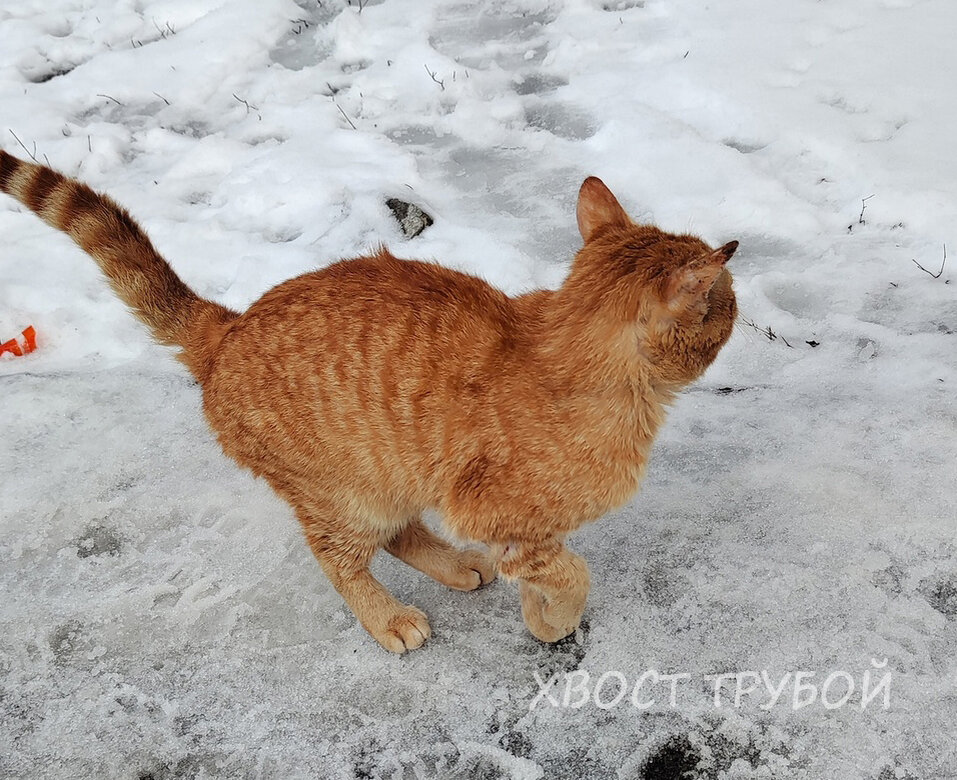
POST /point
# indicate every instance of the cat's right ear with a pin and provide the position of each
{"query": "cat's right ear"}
(689, 284)
(597, 207)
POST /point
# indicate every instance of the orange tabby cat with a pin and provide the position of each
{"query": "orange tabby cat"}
(377, 388)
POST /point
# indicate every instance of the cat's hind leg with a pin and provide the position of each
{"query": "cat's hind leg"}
(422, 549)
(344, 551)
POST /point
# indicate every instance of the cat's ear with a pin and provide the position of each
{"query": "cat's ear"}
(597, 207)
(689, 284)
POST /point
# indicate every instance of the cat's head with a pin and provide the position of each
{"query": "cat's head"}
(671, 292)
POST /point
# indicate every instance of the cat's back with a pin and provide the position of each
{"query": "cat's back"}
(357, 367)
(367, 295)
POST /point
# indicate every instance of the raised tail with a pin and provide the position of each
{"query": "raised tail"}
(138, 274)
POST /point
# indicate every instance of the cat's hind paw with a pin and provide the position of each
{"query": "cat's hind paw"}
(475, 568)
(461, 569)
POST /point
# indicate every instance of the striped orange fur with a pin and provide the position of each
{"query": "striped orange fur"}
(378, 388)
(138, 274)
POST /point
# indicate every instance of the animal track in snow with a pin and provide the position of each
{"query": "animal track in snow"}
(745, 147)
(562, 120)
(539, 83)
(97, 540)
(515, 33)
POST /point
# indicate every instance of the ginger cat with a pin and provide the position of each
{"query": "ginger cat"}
(377, 388)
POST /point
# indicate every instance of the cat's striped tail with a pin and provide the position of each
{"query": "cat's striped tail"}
(136, 271)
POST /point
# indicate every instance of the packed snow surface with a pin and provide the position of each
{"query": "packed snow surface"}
(160, 614)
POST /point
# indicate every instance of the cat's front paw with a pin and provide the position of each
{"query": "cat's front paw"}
(550, 619)
(406, 629)
(564, 612)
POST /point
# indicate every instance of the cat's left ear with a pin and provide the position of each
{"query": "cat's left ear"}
(692, 282)
(597, 207)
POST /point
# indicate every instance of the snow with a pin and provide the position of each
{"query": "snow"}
(161, 616)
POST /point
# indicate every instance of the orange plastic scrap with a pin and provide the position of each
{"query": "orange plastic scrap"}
(29, 340)
(24, 346)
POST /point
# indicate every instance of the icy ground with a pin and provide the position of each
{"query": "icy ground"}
(160, 615)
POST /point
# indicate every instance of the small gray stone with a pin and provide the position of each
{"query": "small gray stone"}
(410, 217)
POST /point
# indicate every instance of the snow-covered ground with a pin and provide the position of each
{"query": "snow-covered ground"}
(160, 614)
